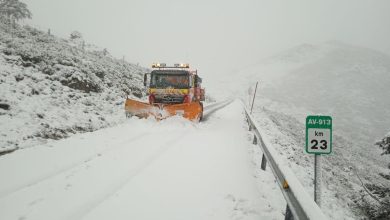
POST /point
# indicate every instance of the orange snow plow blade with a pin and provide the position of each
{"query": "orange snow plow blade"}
(192, 111)
(140, 109)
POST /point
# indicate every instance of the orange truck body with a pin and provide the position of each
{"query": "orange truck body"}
(171, 91)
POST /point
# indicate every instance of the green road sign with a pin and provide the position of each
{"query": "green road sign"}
(318, 134)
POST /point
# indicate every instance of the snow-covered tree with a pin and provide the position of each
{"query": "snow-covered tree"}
(385, 144)
(75, 35)
(14, 10)
(105, 52)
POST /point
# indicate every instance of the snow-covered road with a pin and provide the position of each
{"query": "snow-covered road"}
(142, 169)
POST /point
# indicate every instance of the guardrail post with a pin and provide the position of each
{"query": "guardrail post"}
(263, 162)
(288, 215)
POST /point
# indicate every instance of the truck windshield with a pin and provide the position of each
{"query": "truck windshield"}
(163, 81)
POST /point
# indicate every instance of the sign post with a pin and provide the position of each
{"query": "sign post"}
(317, 179)
(318, 141)
(254, 96)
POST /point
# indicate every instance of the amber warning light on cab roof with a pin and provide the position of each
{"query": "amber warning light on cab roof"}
(176, 65)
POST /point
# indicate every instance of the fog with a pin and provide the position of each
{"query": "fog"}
(214, 36)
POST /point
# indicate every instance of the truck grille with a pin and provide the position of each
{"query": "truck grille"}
(172, 99)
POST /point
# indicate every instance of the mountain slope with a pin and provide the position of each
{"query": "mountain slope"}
(52, 87)
(350, 83)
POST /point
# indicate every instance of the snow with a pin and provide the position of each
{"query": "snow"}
(141, 169)
(55, 88)
(344, 81)
(77, 157)
(280, 168)
(325, 79)
(290, 149)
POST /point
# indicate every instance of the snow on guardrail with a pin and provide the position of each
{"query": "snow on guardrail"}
(298, 200)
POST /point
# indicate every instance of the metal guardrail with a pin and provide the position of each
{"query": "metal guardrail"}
(299, 203)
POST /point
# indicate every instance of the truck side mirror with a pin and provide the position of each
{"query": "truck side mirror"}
(198, 81)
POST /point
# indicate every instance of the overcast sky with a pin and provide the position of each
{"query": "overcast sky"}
(215, 36)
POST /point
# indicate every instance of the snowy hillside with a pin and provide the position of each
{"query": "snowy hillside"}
(347, 82)
(52, 87)
(350, 84)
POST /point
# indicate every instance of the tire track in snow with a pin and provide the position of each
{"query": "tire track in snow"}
(58, 172)
(146, 163)
(210, 109)
(71, 195)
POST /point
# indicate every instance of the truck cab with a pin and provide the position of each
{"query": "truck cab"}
(171, 91)
(173, 85)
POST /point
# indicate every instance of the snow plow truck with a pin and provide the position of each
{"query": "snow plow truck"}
(174, 90)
